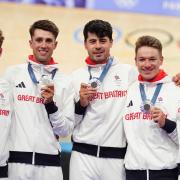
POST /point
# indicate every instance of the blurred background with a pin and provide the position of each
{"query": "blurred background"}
(129, 18)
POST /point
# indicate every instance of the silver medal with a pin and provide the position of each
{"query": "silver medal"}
(94, 83)
(147, 106)
(45, 80)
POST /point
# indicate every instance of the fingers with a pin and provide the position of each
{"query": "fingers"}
(83, 86)
(158, 116)
(47, 92)
(86, 90)
(176, 79)
(48, 88)
(85, 93)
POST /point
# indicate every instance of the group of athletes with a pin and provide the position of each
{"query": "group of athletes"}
(124, 121)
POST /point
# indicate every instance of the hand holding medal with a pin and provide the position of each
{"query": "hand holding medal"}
(46, 87)
(95, 83)
(47, 92)
(45, 80)
(158, 116)
(147, 106)
(85, 93)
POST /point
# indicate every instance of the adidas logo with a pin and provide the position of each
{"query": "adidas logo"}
(130, 104)
(21, 85)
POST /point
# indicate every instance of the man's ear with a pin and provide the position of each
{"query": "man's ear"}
(162, 59)
(135, 61)
(30, 43)
(56, 43)
(85, 46)
(1, 51)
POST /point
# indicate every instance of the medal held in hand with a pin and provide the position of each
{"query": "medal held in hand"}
(95, 83)
(147, 104)
(45, 81)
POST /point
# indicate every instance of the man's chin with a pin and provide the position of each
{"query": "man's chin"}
(147, 77)
(42, 60)
(99, 60)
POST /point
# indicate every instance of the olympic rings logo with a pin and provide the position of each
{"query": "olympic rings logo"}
(165, 37)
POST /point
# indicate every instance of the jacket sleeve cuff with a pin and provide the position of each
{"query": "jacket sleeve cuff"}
(169, 126)
(79, 109)
(51, 107)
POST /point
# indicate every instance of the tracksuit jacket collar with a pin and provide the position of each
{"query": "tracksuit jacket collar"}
(38, 67)
(91, 63)
(161, 77)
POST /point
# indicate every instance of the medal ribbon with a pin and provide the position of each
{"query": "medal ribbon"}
(155, 95)
(104, 72)
(33, 77)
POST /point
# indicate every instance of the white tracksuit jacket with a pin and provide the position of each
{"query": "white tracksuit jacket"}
(5, 120)
(31, 129)
(151, 147)
(102, 122)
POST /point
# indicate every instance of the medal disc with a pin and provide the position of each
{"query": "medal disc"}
(147, 107)
(94, 83)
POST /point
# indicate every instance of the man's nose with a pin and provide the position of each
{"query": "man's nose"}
(98, 45)
(43, 44)
(147, 63)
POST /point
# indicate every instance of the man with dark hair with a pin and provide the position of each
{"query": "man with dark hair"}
(99, 144)
(150, 117)
(43, 109)
(5, 115)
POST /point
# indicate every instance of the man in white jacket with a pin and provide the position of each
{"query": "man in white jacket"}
(150, 117)
(5, 120)
(99, 144)
(37, 119)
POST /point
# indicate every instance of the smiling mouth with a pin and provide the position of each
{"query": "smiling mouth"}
(98, 53)
(42, 53)
(147, 71)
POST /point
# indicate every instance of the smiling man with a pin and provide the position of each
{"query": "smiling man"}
(99, 144)
(37, 119)
(150, 117)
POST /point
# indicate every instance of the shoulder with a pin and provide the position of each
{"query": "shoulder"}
(79, 74)
(12, 71)
(124, 67)
(79, 71)
(3, 83)
(62, 79)
(16, 68)
(134, 86)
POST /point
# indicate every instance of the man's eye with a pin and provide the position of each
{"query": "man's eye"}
(49, 40)
(38, 40)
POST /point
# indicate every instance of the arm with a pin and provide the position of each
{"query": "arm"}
(166, 124)
(61, 114)
(85, 93)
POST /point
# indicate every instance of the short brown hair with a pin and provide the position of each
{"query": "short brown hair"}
(1, 38)
(148, 41)
(45, 25)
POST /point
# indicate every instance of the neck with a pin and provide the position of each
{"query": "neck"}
(92, 62)
(50, 62)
